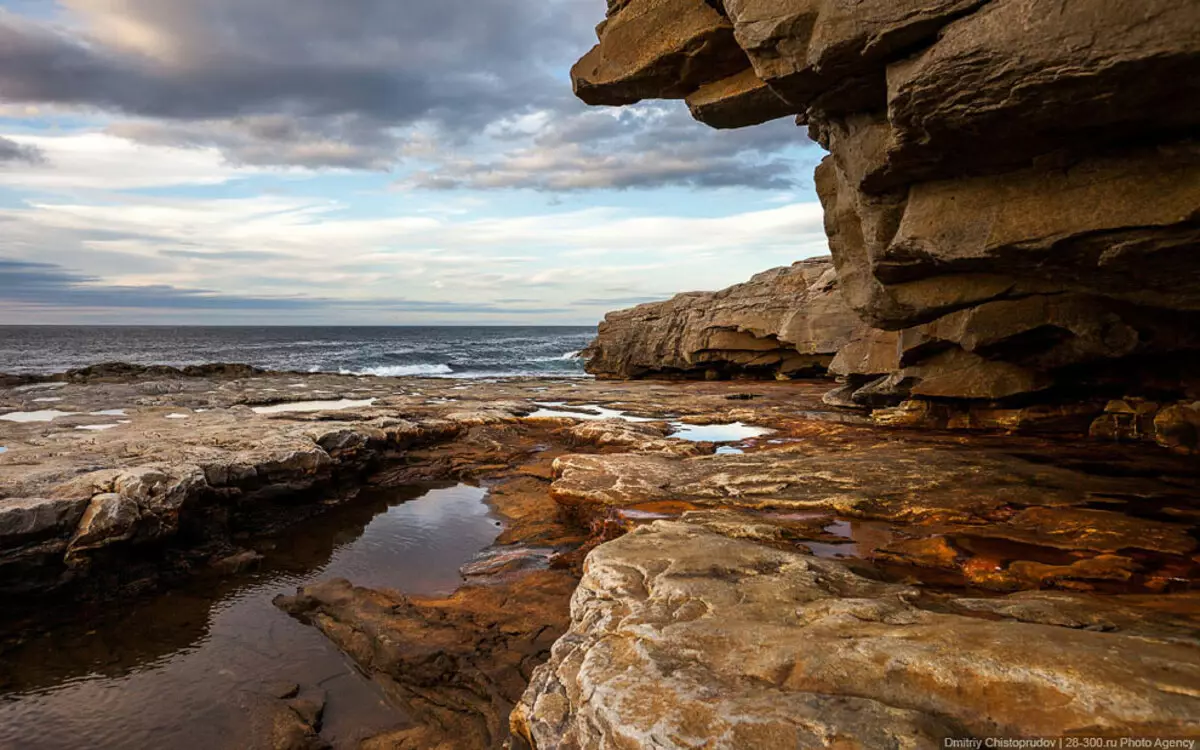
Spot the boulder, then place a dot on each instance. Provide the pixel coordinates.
(1178, 427)
(23, 519)
(457, 664)
(1015, 499)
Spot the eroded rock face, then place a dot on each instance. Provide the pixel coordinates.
(1013, 186)
(656, 48)
(681, 636)
(786, 322)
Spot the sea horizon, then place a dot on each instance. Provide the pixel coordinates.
(289, 325)
(451, 351)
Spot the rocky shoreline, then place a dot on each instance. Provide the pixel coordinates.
(1011, 199)
(831, 581)
(990, 526)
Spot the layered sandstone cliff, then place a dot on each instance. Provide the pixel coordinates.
(1012, 195)
(785, 322)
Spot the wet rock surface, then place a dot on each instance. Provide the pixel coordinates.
(680, 636)
(818, 580)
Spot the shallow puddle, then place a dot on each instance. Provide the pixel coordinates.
(47, 415)
(733, 432)
(178, 670)
(584, 411)
(311, 406)
(718, 433)
(38, 387)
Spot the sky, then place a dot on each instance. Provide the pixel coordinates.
(374, 162)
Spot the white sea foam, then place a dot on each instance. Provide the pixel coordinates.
(398, 371)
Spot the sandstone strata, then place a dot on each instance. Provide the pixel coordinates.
(186, 462)
(834, 582)
(1012, 195)
(681, 637)
(783, 322)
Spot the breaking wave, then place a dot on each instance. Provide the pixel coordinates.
(399, 371)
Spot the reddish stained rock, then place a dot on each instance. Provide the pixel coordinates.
(456, 665)
(680, 636)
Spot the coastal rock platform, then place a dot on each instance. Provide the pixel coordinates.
(722, 564)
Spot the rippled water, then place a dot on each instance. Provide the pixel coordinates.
(442, 351)
(180, 669)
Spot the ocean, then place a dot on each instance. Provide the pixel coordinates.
(438, 351)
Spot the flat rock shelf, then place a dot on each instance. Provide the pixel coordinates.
(448, 565)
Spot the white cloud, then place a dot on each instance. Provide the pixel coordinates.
(235, 244)
(104, 162)
(89, 219)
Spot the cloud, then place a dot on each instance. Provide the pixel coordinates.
(648, 146)
(47, 283)
(33, 283)
(346, 141)
(219, 256)
(12, 152)
(301, 253)
(296, 82)
(398, 60)
(104, 162)
(469, 94)
(610, 302)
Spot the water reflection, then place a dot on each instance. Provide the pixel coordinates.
(313, 406)
(717, 433)
(176, 670)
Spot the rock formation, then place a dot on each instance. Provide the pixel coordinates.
(825, 583)
(785, 321)
(186, 463)
(1012, 195)
(1012, 202)
(681, 637)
